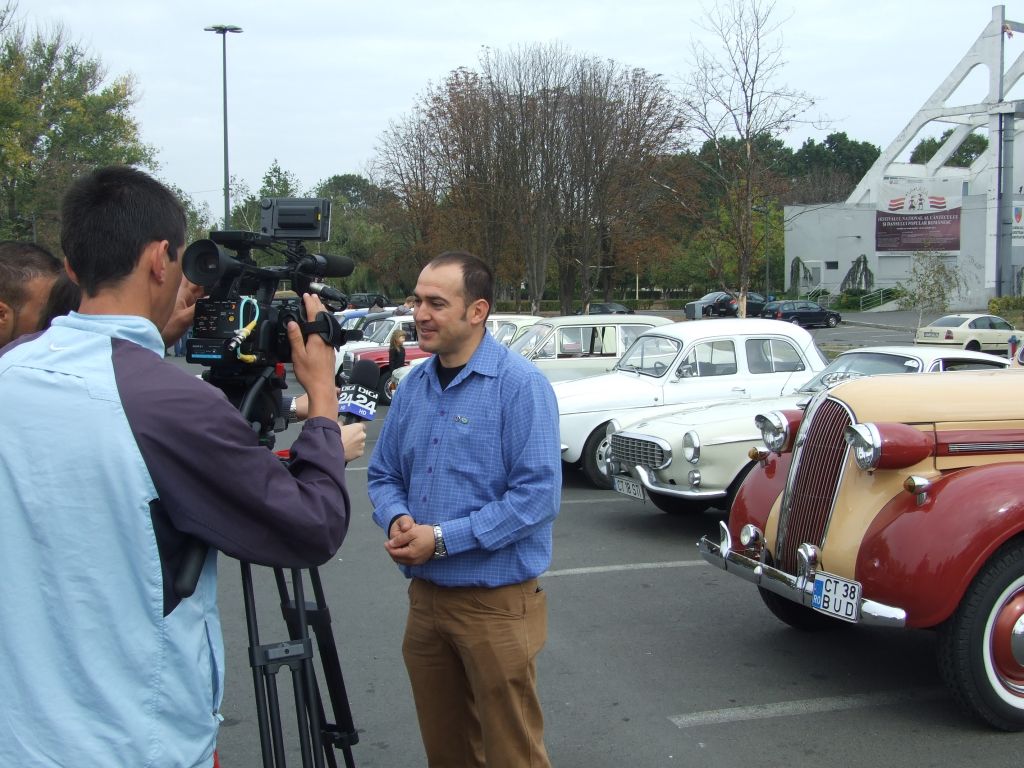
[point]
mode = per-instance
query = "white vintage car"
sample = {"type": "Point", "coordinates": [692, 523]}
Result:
{"type": "Point", "coordinates": [671, 366]}
{"type": "Point", "coordinates": [693, 459]}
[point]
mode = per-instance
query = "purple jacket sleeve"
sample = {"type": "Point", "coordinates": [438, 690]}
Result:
{"type": "Point", "coordinates": [214, 480]}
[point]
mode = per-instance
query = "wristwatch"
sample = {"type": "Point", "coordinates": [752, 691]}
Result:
{"type": "Point", "coordinates": [440, 550]}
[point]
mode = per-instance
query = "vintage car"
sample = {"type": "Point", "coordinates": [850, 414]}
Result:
{"type": "Point", "coordinates": [985, 333]}
{"type": "Point", "coordinates": [376, 328]}
{"type": "Point", "coordinates": [576, 346]}
{"type": "Point", "coordinates": [897, 501]}
{"type": "Point", "coordinates": [672, 366]}
{"type": "Point", "coordinates": [696, 458]}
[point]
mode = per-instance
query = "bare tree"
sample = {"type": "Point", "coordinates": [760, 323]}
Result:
{"type": "Point", "coordinates": [732, 100]}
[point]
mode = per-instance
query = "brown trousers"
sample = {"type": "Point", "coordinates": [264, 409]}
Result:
{"type": "Point", "coordinates": [471, 655]}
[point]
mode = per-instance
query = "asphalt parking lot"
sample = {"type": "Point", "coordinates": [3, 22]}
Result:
{"type": "Point", "coordinates": [654, 658]}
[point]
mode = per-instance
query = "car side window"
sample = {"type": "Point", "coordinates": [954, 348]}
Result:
{"type": "Point", "coordinates": [409, 329]}
{"type": "Point", "coordinates": [710, 358]}
{"type": "Point", "coordinates": [980, 323]}
{"type": "Point", "coordinates": [785, 357]}
{"type": "Point", "coordinates": [570, 342]}
{"type": "Point", "coordinates": [630, 333]}
{"type": "Point", "coordinates": [1001, 325]}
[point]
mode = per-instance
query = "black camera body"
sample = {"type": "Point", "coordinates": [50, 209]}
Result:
{"type": "Point", "coordinates": [239, 332]}
{"type": "Point", "coordinates": [238, 326]}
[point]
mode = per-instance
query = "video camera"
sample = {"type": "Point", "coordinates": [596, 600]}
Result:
{"type": "Point", "coordinates": [239, 332]}
{"type": "Point", "coordinates": [239, 325]}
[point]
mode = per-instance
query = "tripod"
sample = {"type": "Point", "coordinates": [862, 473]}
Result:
{"type": "Point", "coordinates": [317, 737]}
{"type": "Point", "coordinates": [261, 406]}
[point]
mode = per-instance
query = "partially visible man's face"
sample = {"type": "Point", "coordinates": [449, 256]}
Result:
{"type": "Point", "coordinates": [444, 324]}
{"type": "Point", "coordinates": [25, 319]}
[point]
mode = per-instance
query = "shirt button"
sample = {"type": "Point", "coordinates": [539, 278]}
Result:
{"type": "Point", "coordinates": [442, 413]}
{"type": "Point", "coordinates": [430, 470]}
{"type": "Point", "coordinates": [435, 441]}
{"type": "Point", "coordinates": [424, 498]}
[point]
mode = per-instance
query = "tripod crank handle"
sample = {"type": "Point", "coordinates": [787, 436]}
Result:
{"type": "Point", "coordinates": [189, 569]}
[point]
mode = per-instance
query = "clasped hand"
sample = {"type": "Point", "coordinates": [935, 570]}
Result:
{"type": "Point", "coordinates": [410, 543]}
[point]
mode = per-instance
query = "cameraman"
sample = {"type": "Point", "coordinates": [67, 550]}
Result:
{"type": "Point", "coordinates": [113, 460]}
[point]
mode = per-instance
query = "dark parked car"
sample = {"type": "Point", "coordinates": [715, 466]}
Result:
{"type": "Point", "coordinates": [607, 308]}
{"type": "Point", "coordinates": [727, 304]}
{"type": "Point", "coordinates": [805, 313]}
{"type": "Point", "coordinates": [361, 300]}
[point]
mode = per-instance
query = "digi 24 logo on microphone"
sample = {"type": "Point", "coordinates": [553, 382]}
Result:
{"type": "Point", "coordinates": [356, 400]}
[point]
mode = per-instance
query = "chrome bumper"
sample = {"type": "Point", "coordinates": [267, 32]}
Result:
{"type": "Point", "coordinates": [799, 589]}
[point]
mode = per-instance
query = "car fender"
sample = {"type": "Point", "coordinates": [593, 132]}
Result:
{"type": "Point", "coordinates": [758, 493]}
{"type": "Point", "coordinates": [922, 557]}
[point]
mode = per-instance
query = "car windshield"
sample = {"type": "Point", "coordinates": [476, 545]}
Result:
{"type": "Point", "coordinates": [378, 331]}
{"type": "Point", "coordinates": [949, 321]}
{"type": "Point", "coordinates": [856, 364]}
{"type": "Point", "coordinates": [527, 343]}
{"type": "Point", "coordinates": [650, 356]}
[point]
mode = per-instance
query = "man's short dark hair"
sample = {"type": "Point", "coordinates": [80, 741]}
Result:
{"type": "Point", "coordinates": [477, 275]}
{"type": "Point", "coordinates": [21, 263]}
{"type": "Point", "coordinates": [109, 216]}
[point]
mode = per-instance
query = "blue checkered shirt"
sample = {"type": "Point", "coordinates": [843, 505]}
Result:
{"type": "Point", "coordinates": [482, 459]}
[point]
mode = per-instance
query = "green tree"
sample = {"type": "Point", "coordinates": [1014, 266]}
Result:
{"type": "Point", "coordinates": [931, 285]}
{"type": "Point", "coordinates": [829, 171]}
{"type": "Point", "coordinates": [969, 151]}
{"type": "Point", "coordinates": [57, 120]}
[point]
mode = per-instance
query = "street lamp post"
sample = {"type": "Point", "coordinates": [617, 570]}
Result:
{"type": "Point", "coordinates": [222, 30]}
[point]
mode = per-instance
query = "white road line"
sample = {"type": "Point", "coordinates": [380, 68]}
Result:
{"type": "Point", "coordinates": [596, 500]}
{"type": "Point", "coordinates": [804, 707]}
{"type": "Point", "coordinates": [625, 567]}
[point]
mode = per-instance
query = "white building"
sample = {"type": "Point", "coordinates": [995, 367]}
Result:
{"type": "Point", "coordinates": [973, 216]}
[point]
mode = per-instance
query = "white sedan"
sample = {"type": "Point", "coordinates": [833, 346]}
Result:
{"type": "Point", "coordinates": [671, 366]}
{"type": "Point", "coordinates": [693, 459]}
{"type": "Point", "coordinates": [981, 333]}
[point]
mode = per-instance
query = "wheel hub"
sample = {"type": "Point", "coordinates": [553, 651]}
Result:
{"type": "Point", "coordinates": [1008, 642]}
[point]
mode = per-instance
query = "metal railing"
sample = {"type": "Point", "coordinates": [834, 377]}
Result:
{"type": "Point", "coordinates": [877, 298]}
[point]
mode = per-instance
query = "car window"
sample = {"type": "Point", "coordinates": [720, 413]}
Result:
{"type": "Point", "coordinates": [650, 355]}
{"type": "Point", "coordinates": [980, 323]}
{"type": "Point", "coordinates": [1001, 325]}
{"type": "Point", "coordinates": [503, 332]}
{"type": "Point", "coordinates": [529, 341]}
{"type": "Point", "coordinates": [772, 356]}
{"type": "Point", "coordinates": [856, 364]}
{"type": "Point", "coordinates": [630, 333]}
{"type": "Point", "coordinates": [709, 358]}
{"type": "Point", "coordinates": [948, 321]}
{"type": "Point", "coordinates": [571, 341]}
{"type": "Point", "coordinates": [970, 365]}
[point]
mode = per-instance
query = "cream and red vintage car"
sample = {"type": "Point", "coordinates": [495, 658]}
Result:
{"type": "Point", "coordinates": [897, 501]}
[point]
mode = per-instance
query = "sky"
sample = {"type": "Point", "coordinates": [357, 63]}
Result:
{"type": "Point", "coordinates": [315, 83]}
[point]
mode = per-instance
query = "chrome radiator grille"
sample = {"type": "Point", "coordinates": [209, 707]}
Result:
{"type": "Point", "coordinates": [632, 451]}
{"type": "Point", "coordinates": [815, 474]}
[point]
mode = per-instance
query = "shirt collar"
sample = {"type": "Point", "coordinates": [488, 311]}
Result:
{"type": "Point", "coordinates": [132, 328]}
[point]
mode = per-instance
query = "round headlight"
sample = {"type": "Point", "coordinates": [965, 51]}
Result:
{"type": "Point", "coordinates": [773, 427]}
{"type": "Point", "coordinates": [691, 447]}
{"type": "Point", "coordinates": [866, 444]}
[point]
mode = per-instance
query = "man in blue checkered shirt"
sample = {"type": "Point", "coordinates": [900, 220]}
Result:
{"type": "Point", "coordinates": [466, 481]}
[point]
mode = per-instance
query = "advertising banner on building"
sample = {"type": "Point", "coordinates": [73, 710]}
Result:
{"type": "Point", "coordinates": [918, 216]}
{"type": "Point", "coordinates": [1017, 226]}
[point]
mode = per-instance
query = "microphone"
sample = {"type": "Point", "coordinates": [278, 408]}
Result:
{"type": "Point", "coordinates": [330, 265]}
{"type": "Point", "coordinates": [358, 398]}
{"type": "Point", "coordinates": [328, 292]}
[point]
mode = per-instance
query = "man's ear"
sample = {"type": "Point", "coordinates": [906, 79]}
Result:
{"type": "Point", "coordinates": [155, 257]}
{"type": "Point", "coordinates": [6, 315]}
{"type": "Point", "coordinates": [479, 310]}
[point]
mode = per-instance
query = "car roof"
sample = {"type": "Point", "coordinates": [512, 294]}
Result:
{"type": "Point", "coordinates": [738, 326]}
{"type": "Point", "coordinates": [965, 315]}
{"type": "Point", "coordinates": [925, 353]}
{"type": "Point", "coordinates": [513, 317]}
{"type": "Point", "coordinates": [562, 320]}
